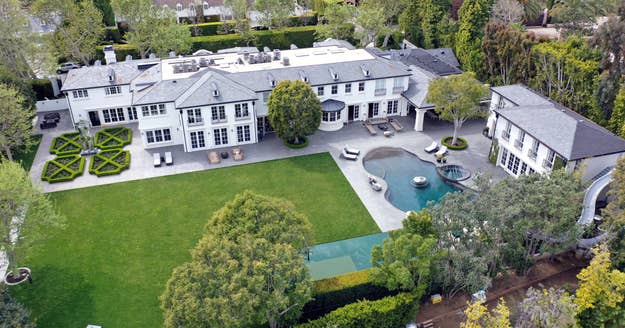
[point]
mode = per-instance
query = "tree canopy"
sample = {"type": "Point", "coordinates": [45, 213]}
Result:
{"type": "Point", "coordinates": [547, 308]}
{"type": "Point", "coordinates": [274, 13]}
{"type": "Point", "coordinates": [457, 98]}
{"type": "Point", "coordinates": [472, 17]}
{"type": "Point", "coordinates": [16, 126]}
{"type": "Point", "coordinates": [27, 216]}
{"type": "Point", "coordinates": [12, 313]}
{"type": "Point", "coordinates": [247, 269]}
{"type": "Point", "coordinates": [333, 22]}
{"type": "Point", "coordinates": [294, 110]}
{"type": "Point", "coordinates": [508, 53]}
{"type": "Point", "coordinates": [477, 316]}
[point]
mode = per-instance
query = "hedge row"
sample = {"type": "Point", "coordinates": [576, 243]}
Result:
{"type": "Point", "coordinates": [302, 36]}
{"type": "Point", "coordinates": [333, 293]}
{"type": "Point", "coordinates": [112, 138]}
{"type": "Point", "coordinates": [461, 143]}
{"type": "Point", "coordinates": [216, 28]}
{"type": "Point", "coordinates": [63, 168]}
{"type": "Point", "coordinates": [109, 162]}
{"type": "Point", "coordinates": [42, 88]}
{"type": "Point", "coordinates": [66, 144]}
{"type": "Point", "coordinates": [389, 312]}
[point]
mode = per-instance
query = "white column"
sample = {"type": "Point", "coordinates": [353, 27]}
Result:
{"type": "Point", "coordinates": [419, 118]}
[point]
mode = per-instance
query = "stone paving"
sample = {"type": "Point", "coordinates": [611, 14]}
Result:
{"type": "Point", "coordinates": [386, 215]}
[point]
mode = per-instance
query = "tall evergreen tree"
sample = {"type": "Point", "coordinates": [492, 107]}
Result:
{"type": "Point", "coordinates": [472, 17]}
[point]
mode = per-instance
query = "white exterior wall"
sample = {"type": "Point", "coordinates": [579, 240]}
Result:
{"type": "Point", "coordinates": [230, 124]}
{"type": "Point", "coordinates": [98, 101]}
{"type": "Point", "coordinates": [522, 153]}
{"type": "Point", "coordinates": [171, 121]}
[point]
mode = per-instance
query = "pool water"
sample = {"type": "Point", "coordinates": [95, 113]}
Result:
{"type": "Point", "coordinates": [398, 167]}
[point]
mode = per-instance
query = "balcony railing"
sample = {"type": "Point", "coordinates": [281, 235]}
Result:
{"type": "Point", "coordinates": [196, 122]}
{"type": "Point", "coordinates": [531, 154]}
{"type": "Point", "coordinates": [219, 120]}
{"type": "Point", "coordinates": [505, 135]}
{"type": "Point", "coordinates": [397, 90]}
{"type": "Point", "coordinates": [379, 92]}
{"type": "Point", "coordinates": [547, 164]}
{"type": "Point", "coordinates": [518, 144]}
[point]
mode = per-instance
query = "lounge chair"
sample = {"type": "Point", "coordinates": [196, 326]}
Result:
{"type": "Point", "coordinates": [441, 152]}
{"type": "Point", "coordinates": [395, 124]}
{"type": "Point", "coordinates": [432, 147]}
{"type": "Point", "coordinates": [169, 159]}
{"type": "Point", "coordinates": [348, 156]}
{"type": "Point", "coordinates": [157, 159]}
{"type": "Point", "coordinates": [371, 129]}
{"type": "Point", "coordinates": [237, 154]}
{"type": "Point", "coordinates": [213, 157]}
{"type": "Point", "coordinates": [376, 186]}
{"type": "Point", "coordinates": [352, 151]}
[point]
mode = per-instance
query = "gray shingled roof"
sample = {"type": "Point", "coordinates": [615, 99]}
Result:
{"type": "Point", "coordinates": [163, 91]}
{"type": "Point", "coordinates": [445, 54]}
{"type": "Point", "coordinates": [423, 59]}
{"type": "Point", "coordinates": [567, 133]}
{"type": "Point", "coordinates": [418, 88]}
{"type": "Point", "coordinates": [320, 74]}
{"type": "Point", "coordinates": [98, 76]}
{"type": "Point", "coordinates": [519, 94]}
{"type": "Point", "coordinates": [201, 94]}
{"type": "Point", "coordinates": [333, 42]}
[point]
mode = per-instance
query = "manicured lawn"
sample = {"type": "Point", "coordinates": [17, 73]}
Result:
{"type": "Point", "coordinates": [26, 155]}
{"type": "Point", "coordinates": [122, 241]}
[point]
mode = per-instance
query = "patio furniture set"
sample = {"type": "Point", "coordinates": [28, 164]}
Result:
{"type": "Point", "coordinates": [439, 151]}
{"type": "Point", "coordinates": [158, 160]}
{"type": "Point", "coordinates": [350, 153]}
{"type": "Point", "coordinates": [381, 123]}
{"type": "Point", "coordinates": [215, 158]}
{"type": "Point", "coordinates": [50, 120]}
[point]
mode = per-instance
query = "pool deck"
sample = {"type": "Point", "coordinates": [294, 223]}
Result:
{"type": "Point", "coordinates": [385, 215]}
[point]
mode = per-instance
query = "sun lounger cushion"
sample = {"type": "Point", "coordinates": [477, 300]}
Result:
{"type": "Point", "coordinates": [349, 156]}
{"type": "Point", "coordinates": [432, 147]}
{"type": "Point", "coordinates": [157, 159]}
{"type": "Point", "coordinates": [441, 151]}
{"type": "Point", "coordinates": [352, 151]}
{"type": "Point", "coordinates": [169, 159]}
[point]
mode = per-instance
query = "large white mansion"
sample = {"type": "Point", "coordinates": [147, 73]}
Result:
{"type": "Point", "coordinates": [215, 100]}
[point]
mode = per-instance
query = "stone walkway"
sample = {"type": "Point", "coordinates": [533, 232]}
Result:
{"type": "Point", "coordinates": [385, 215]}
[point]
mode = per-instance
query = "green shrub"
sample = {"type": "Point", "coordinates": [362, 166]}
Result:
{"type": "Point", "coordinates": [63, 168]}
{"type": "Point", "coordinates": [66, 144]}
{"type": "Point", "coordinates": [112, 138]}
{"type": "Point", "coordinates": [42, 88]}
{"type": "Point", "coordinates": [494, 152]}
{"type": "Point", "coordinates": [121, 51]}
{"type": "Point", "coordinates": [112, 34]}
{"type": "Point", "coordinates": [461, 143]}
{"type": "Point", "coordinates": [297, 146]}
{"type": "Point", "coordinates": [389, 312]}
{"type": "Point", "coordinates": [302, 36]}
{"type": "Point", "coordinates": [558, 163]}
{"type": "Point", "coordinates": [207, 29]}
{"type": "Point", "coordinates": [109, 162]}
{"type": "Point", "coordinates": [333, 293]}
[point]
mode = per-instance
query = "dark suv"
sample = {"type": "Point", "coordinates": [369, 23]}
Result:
{"type": "Point", "coordinates": [65, 67]}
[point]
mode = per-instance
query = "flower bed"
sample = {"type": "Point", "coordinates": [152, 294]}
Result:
{"type": "Point", "coordinates": [109, 162]}
{"type": "Point", "coordinates": [63, 168]}
{"type": "Point", "coordinates": [461, 143]}
{"type": "Point", "coordinates": [66, 144]}
{"type": "Point", "coordinates": [113, 138]}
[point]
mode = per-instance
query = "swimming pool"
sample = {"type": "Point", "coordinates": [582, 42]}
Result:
{"type": "Point", "coordinates": [397, 167]}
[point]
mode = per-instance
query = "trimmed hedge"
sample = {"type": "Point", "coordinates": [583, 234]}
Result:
{"type": "Point", "coordinates": [42, 88]}
{"type": "Point", "coordinates": [66, 144]}
{"type": "Point", "coordinates": [112, 34]}
{"type": "Point", "coordinates": [63, 168]}
{"type": "Point", "coordinates": [389, 312]}
{"type": "Point", "coordinates": [121, 51]}
{"type": "Point", "coordinates": [463, 144]}
{"type": "Point", "coordinates": [333, 293]}
{"type": "Point", "coordinates": [112, 138]}
{"type": "Point", "coordinates": [297, 146]}
{"type": "Point", "coordinates": [109, 162]}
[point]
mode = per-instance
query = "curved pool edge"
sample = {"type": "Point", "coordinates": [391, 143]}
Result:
{"type": "Point", "coordinates": [385, 187]}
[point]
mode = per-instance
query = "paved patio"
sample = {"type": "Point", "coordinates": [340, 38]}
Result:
{"type": "Point", "coordinates": [388, 217]}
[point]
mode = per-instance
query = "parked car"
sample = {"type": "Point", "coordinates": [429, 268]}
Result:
{"type": "Point", "coordinates": [65, 67]}
{"type": "Point", "coordinates": [56, 117]}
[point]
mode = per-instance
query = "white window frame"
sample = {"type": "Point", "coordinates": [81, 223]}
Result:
{"type": "Point", "coordinates": [198, 140]}
{"type": "Point", "coordinates": [331, 116]}
{"type": "Point", "coordinates": [80, 94]}
{"type": "Point", "coordinates": [132, 113]}
{"type": "Point", "coordinates": [321, 91]}
{"type": "Point", "coordinates": [194, 116]}
{"type": "Point", "coordinates": [334, 89]}
{"type": "Point", "coordinates": [348, 88]}
{"type": "Point", "coordinates": [153, 110]}
{"type": "Point", "coordinates": [113, 115]}
{"type": "Point", "coordinates": [244, 133]}
{"type": "Point", "coordinates": [241, 111]}
{"type": "Point", "coordinates": [163, 134]}
{"type": "Point", "coordinates": [392, 107]}
{"type": "Point", "coordinates": [218, 114]}
{"type": "Point", "coordinates": [361, 86]}
{"type": "Point", "coordinates": [221, 136]}
{"type": "Point", "coordinates": [113, 90]}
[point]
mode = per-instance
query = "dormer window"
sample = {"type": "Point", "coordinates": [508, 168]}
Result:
{"type": "Point", "coordinates": [365, 71]}
{"type": "Point", "coordinates": [178, 7]}
{"type": "Point", "coordinates": [334, 75]}
{"type": "Point", "coordinates": [215, 90]}
{"type": "Point", "coordinates": [303, 77]}
{"type": "Point", "coordinates": [111, 74]}
{"type": "Point", "coordinates": [272, 80]}
{"type": "Point", "coordinates": [205, 6]}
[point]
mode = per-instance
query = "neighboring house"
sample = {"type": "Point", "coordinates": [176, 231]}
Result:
{"type": "Point", "coordinates": [536, 134]}
{"type": "Point", "coordinates": [215, 100]}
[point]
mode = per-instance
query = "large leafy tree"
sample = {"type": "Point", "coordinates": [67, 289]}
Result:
{"type": "Point", "coordinates": [457, 98]}
{"type": "Point", "coordinates": [152, 29]}
{"type": "Point", "coordinates": [403, 261]}
{"type": "Point", "coordinates": [472, 17]}
{"type": "Point", "coordinates": [508, 54]}
{"type": "Point", "coordinates": [477, 316]}
{"type": "Point", "coordinates": [378, 18]}
{"type": "Point", "coordinates": [547, 308]}
{"type": "Point", "coordinates": [108, 17]}
{"type": "Point", "coordinates": [274, 13]}
{"type": "Point", "coordinates": [239, 9]}
{"type": "Point", "coordinates": [294, 110]}
{"type": "Point", "coordinates": [16, 126]}
{"type": "Point", "coordinates": [600, 297]}
{"type": "Point", "coordinates": [578, 16]}
{"type": "Point", "coordinates": [420, 21]}
{"type": "Point", "coordinates": [246, 271]}
{"type": "Point", "coordinates": [617, 118]}
{"type": "Point", "coordinates": [26, 215]}
{"type": "Point", "coordinates": [12, 313]}
{"type": "Point", "coordinates": [78, 27]}
{"type": "Point", "coordinates": [615, 216]}
{"type": "Point", "coordinates": [333, 22]}
{"type": "Point", "coordinates": [508, 12]}
{"type": "Point", "coordinates": [567, 72]}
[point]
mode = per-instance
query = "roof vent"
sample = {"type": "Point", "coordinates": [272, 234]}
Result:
{"type": "Point", "coordinates": [303, 76]}
{"type": "Point", "coordinates": [152, 56]}
{"type": "Point", "coordinates": [215, 90]}
{"type": "Point", "coordinates": [276, 54]}
{"type": "Point", "coordinates": [240, 61]}
{"type": "Point", "coordinates": [335, 75]}
{"type": "Point", "coordinates": [172, 54]}
{"type": "Point", "coordinates": [252, 59]}
{"type": "Point", "coordinates": [293, 47]}
{"type": "Point", "coordinates": [286, 61]}
{"type": "Point", "coordinates": [128, 57]}
{"type": "Point", "coordinates": [365, 70]}
{"type": "Point", "coordinates": [266, 49]}
{"type": "Point", "coordinates": [272, 80]}
{"type": "Point", "coordinates": [203, 62]}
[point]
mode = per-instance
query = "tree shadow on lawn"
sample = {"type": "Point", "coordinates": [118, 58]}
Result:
{"type": "Point", "coordinates": [72, 297]}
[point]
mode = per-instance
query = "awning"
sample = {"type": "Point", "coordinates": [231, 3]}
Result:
{"type": "Point", "coordinates": [331, 105]}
